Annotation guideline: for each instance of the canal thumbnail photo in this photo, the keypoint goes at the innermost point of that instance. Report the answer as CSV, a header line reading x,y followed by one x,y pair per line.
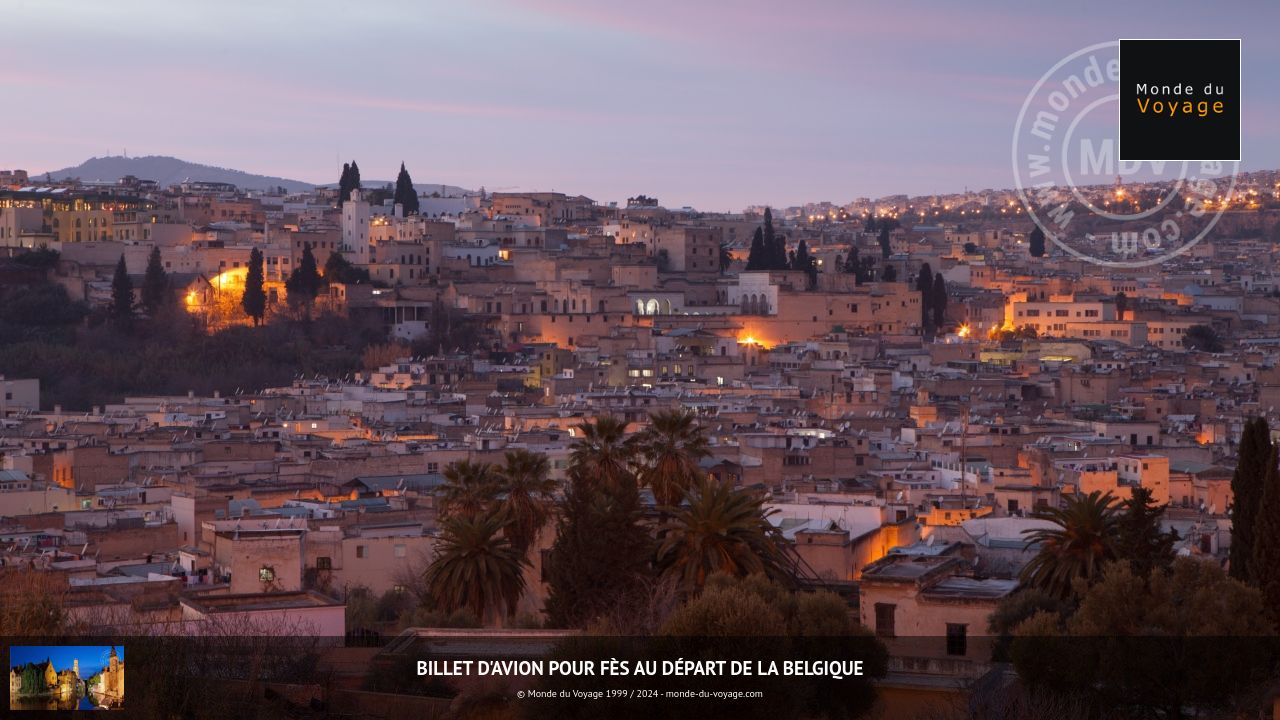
x,y
66,677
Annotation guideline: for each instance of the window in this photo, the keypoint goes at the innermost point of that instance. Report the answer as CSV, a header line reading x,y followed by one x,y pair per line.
x,y
399,551
267,574
324,563
360,551
884,619
957,639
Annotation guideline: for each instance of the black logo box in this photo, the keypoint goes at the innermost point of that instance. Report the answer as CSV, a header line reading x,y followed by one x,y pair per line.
x,y
1188,65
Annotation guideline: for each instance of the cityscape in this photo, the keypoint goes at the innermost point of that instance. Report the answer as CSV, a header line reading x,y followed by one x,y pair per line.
x,y
447,430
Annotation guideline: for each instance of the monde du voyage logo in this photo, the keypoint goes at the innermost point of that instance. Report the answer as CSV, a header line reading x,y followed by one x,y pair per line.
x,y
1125,153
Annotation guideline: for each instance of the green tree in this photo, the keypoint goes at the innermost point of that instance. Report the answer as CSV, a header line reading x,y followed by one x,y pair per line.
x,y
254,299
886,249
1035,242
476,567
938,300
1190,637
924,285
155,284
121,307
756,258
1139,538
601,454
406,196
1246,489
469,488
602,555
1203,338
970,249
526,495
337,269
890,273
726,258
671,448
720,529
1266,541
349,181
304,283
1083,541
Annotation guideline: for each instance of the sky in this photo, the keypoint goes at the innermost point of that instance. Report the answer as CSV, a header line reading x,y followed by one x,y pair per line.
x,y
92,657
708,103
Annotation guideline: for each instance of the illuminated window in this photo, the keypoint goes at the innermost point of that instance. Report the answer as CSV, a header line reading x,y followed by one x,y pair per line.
x,y
267,574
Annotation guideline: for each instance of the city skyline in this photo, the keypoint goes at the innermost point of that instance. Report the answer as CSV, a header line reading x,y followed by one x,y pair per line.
x,y
93,658
823,102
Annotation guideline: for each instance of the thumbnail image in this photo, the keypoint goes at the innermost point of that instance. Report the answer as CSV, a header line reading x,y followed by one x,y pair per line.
x,y
66,677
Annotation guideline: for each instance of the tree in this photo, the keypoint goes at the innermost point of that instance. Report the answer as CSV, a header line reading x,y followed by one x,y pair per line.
x,y
469,488
938,299
775,246
406,196
1246,489
476,567
304,283
337,269
526,496
1266,541
671,447
155,284
1203,338
1083,541
756,258
254,300
1122,302
1189,637
1140,540
602,554
720,529
885,248
889,274
924,285
970,249
121,307
602,455
349,181
1035,242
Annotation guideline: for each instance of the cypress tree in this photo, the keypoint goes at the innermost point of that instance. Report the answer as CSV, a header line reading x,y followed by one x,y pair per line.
x,y
1265,564
1036,242
1246,488
121,307
304,282
405,195
756,259
344,183
939,300
775,248
601,554
155,284
254,300
885,249
355,176
924,285
889,274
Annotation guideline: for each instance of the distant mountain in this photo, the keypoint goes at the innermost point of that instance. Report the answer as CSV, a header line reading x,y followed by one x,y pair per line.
x,y
168,171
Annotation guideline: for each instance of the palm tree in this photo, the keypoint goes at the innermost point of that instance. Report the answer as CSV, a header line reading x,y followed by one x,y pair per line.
x,y
1083,541
469,488
526,495
602,454
476,566
671,447
720,529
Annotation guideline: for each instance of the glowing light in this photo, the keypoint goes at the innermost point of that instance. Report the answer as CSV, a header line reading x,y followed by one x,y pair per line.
x,y
964,331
